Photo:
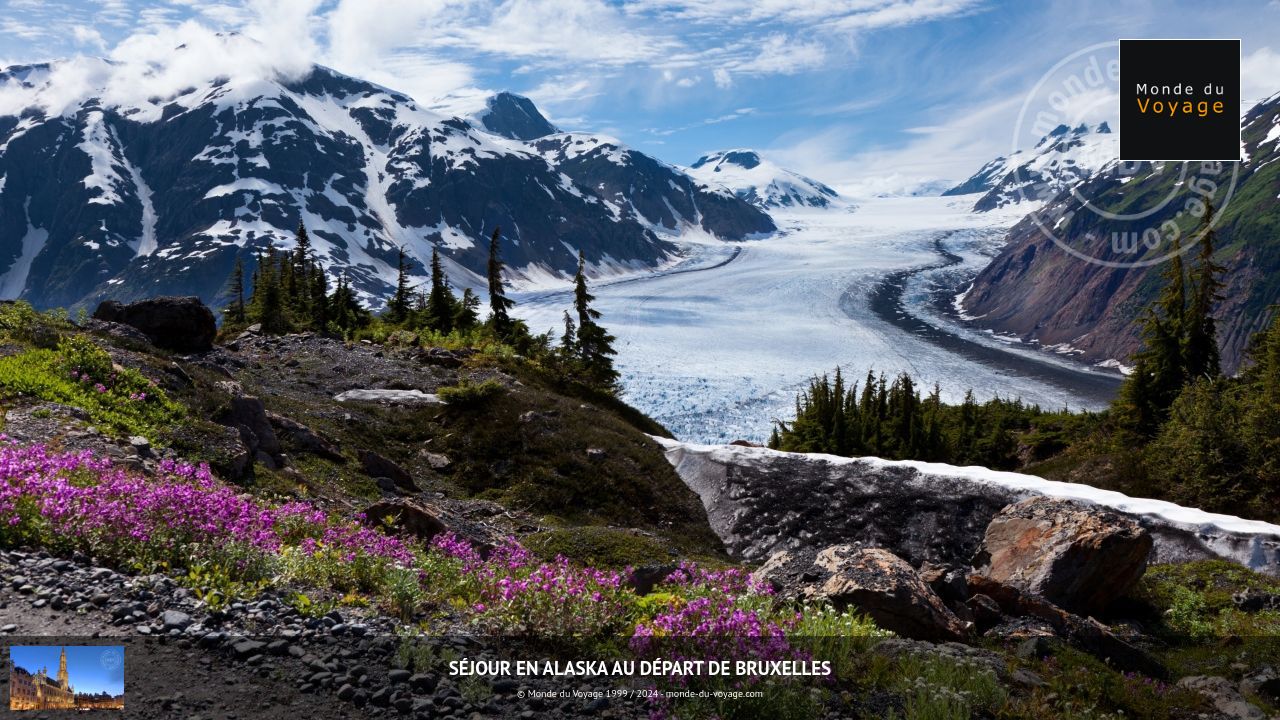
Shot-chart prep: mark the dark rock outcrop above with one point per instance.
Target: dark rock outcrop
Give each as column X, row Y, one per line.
column 1077, row 556
column 1086, row 633
column 304, row 438
column 249, row 416
column 406, row 516
column 872, row 580
column 377, row 466
column 181, row 324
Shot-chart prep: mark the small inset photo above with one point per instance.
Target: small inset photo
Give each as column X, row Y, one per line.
column 71, row 677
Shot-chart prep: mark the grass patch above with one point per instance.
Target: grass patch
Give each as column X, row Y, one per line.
column 81, row 374
column 599, row 546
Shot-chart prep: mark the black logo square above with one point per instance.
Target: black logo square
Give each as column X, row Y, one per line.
column 1180, row 100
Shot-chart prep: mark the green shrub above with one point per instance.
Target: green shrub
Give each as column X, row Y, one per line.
column 468, row 394
column 20, row 322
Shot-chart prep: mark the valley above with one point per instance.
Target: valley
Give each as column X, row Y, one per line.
column 716, row 346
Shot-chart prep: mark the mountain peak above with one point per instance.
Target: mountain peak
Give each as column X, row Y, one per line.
column 745, row 159
column 756, row 180
column 516, row 117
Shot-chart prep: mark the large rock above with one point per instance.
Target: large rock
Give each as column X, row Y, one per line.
column 377, row 466
column 304, row 438
column 1078, row 556
column 406, row 516
column 181, row 324
column 872, row 580
column 760, row 501
column 249, row 416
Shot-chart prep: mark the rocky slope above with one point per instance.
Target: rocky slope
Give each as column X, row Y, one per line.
column 925, row 512
column 168, row 191
column 1038, row 292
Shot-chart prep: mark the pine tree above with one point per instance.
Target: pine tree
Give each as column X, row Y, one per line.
column 595, row 344
column 467, row 316
column 299, row 274
column 271, row 306
column 1149, row 394
column 569, row 340
column 319, row 300
column 399, row 305
column 1202, row 358
column 236, row 313
column 441, row 305
column 499, row 304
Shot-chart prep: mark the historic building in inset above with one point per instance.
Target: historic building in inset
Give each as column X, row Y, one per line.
column 38, row 691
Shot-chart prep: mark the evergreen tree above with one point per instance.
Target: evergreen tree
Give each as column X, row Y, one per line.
column 319, row 301
column 299, row 273
column 595, row 344
column 1201, row 355
column 345, row 310
column 270, row 310
column 236, row 313
column 441, row 305
column 1149, row 394
column 569, row 340
column 499, row 304
column 467, row 315
column 399, row 305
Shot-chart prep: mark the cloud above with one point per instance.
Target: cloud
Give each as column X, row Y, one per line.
column 782, row 55
column 1259, row 76
column 89, row 37
column 952, row 151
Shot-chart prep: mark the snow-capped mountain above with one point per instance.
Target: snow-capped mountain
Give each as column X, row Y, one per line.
column 761, row 182
column 1063, row 158
column 123, row 197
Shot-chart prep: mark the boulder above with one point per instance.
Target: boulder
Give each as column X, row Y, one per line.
column 181, row 324
column 304, row 438
column 392, row 397
column 377, row 466
column 1078, row 556
column 249, row 415
column 873, row 581
column 406, row 516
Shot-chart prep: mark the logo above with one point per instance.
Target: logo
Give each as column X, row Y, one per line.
column 1180, row 100
column 1097, row 207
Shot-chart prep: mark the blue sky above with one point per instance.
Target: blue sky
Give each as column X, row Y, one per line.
column 85, row 667
column 869, row 95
